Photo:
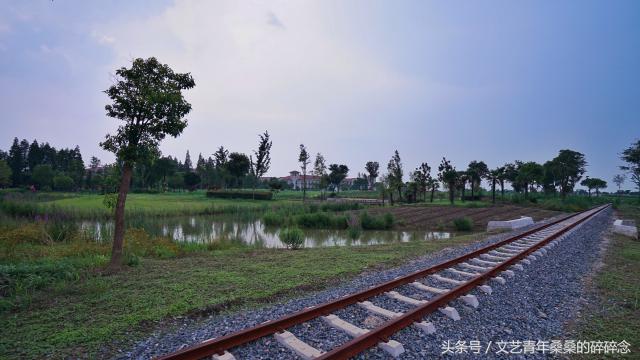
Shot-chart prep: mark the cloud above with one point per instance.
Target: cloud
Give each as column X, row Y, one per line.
column 102, row 38
column 273, row 20
column 248, row 71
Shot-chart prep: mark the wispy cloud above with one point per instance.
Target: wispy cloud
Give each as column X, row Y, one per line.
column 274, row 21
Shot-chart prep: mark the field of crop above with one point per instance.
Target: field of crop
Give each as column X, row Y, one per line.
column 441, row 217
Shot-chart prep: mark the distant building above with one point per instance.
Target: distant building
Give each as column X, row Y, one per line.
column 296, row 181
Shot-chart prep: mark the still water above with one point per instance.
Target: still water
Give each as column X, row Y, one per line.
column 206, row 229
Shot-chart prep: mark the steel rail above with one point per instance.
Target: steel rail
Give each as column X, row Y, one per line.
column 386, row 330
column 220, row 344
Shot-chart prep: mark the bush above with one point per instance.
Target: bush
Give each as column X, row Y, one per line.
column 62, row 183
column 463, row 224
column 321, row 220
column 354, row 233
column 239, row 194
column 341, row 206
column 369, row 222
column 293, row 237
column 273, row 219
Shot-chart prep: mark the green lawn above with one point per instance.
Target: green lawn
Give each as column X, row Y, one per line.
column 75, row 317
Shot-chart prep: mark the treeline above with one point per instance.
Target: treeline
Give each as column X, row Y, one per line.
column 558, row 176
column 41, row 165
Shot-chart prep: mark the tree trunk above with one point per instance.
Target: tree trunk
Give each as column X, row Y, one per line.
column 304, row 187
column 502, row 189
column 432, row 191
column 472, row 190
column 493, row 191
column 452, row 189
column 118, row 235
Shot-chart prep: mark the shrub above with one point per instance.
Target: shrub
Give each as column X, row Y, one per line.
column 463, row 224
column 292, row 237
column 321, row 220
column 63, row 183
column 273, row 219
column 354, row 233
column 341, row 206
column 369, row 222
column 239, row 194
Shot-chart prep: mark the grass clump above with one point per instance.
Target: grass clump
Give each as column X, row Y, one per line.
column 321, row 220
column 354, row 232
column 369, row 222
column 292, row 237
column 463, row 224
column 272, row 218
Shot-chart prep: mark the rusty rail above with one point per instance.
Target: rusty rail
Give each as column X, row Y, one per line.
column 221, row 344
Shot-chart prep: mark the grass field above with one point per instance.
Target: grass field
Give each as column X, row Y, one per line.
column 616, row 313
column 75, row 316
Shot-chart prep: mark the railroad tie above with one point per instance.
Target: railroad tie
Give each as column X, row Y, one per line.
column 405, row 299
column 370, row 307
column 392, row 347
column 447, row 280
column 423, row 287
column 474, row 267
column 298, row 346
column 226, row 356
column 485, row 262
column 463, row 273
column 493, row 257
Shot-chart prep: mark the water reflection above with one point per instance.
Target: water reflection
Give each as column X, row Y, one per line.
column 203, row 229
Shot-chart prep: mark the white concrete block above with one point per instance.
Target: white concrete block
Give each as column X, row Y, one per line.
column 450, row 312
column 531, row 258
column 626, row 228
column 470, row 300
column 518, row 267
column 494, row 257
column 525, row 261
column 509, row 273
column 485, row 289
column 392, row 348
column 337, row 323
column 405, row 299
column 426, row 326
column 499, row 280
column 485, row 262
column 370, row 307
column 226, row 356
column 298, row 346
column 510, row 224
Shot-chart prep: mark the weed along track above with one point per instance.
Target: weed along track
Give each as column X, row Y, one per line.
column 430, row 290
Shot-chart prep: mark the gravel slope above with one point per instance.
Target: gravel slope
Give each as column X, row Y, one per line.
column 532, row 306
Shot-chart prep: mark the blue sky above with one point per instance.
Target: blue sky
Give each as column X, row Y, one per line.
column 493, row 80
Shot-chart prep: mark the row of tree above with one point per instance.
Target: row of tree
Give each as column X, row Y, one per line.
column 42, row 165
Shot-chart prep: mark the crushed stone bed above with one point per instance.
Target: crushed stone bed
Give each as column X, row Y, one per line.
column 534, row 305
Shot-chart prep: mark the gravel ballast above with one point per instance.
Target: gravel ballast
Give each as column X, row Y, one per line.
column 534, row 305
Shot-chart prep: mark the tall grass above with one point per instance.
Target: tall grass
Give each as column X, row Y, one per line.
column 369, row 222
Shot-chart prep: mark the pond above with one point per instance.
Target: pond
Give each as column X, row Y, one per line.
column 207, row 229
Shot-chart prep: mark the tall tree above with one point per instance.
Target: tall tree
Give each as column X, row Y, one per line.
column 619, row 179
column 631, row 156
column 221, row 157
column 238, row 166
column 477, row 170
column 569, row 166
column 432, row 185
column 303, row 159
column 337, row 173
column 372, row 168
column 188, row 165
column 5, row 174
column 448, row 176
column 422, row 177
column 263, row 158
column 593, row 183
column 463, row 178
column 529, row 173
column 511, row 175
column 320, row 170
column 35, row 155
column 17, row 161
column 394, row 167
column 495, row 177
column 148, row 99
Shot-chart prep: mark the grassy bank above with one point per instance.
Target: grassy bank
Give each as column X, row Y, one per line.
column 76, row 315
column 616, row 313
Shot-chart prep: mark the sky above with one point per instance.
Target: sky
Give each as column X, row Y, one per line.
column 355, row 80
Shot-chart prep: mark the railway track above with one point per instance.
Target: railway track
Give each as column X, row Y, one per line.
column 441, row 284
